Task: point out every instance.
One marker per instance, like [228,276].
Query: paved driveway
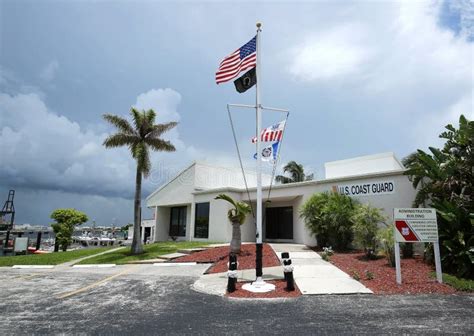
[154,300]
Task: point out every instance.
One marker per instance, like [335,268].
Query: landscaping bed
[279,292]
[416,275]
[219,256]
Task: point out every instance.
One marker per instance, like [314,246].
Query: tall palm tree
[139,138]
[296,172]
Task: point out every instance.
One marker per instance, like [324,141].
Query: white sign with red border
[415,225]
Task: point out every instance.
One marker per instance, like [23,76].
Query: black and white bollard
[288,271]
[232,273]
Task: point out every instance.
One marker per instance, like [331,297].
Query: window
[201,222]
[178,222]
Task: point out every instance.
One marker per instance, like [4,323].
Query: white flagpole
[259,158]
[259,285]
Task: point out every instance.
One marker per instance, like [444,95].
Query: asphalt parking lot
[143,299]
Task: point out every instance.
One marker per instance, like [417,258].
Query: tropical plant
[328,216]
[140,138]
[445,181]
[236,216]
[296,172]
[387,242]
[66,220]
[366,220]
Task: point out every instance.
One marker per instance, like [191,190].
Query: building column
[191,222]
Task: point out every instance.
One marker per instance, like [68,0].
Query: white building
[185,207]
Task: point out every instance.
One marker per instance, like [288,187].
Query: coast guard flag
[242,59]
[269,153]
[272,133]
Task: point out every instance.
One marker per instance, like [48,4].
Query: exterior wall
[181,192]
[298,193]
[177,192]
[212,177]
[220,229]
[369,164]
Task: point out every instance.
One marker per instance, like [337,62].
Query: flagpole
[259,285]
[258,110]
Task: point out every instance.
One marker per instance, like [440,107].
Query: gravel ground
[415,275]
[158,300]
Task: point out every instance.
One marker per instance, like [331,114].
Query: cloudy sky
[359,78]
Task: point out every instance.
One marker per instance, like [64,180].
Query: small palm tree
[296,172]
[236,216]
[139,138]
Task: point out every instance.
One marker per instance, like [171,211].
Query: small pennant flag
[269,153]
[272,133]
[242,59]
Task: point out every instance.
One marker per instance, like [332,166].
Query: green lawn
[459,284]
[49,258]
[152,251]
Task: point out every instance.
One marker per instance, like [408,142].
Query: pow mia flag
[245,82]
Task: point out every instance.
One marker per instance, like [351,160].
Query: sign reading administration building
[415,225]
[366,189]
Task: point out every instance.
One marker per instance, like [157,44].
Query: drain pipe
[232,273]
[288,271]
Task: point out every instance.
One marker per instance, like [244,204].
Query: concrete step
[192,250]
[171,256]
[148,261]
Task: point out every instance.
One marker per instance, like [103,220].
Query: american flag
[242,59]
[272,133]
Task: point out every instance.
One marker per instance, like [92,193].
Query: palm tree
[139,138]
[236,216]
[296,172]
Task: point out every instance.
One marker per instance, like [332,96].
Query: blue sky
[359,78]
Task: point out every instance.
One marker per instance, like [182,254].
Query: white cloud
[49,71]
[163,101]
[330,54]
[401,66]
[43,150]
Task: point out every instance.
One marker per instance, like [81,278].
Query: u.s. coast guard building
[185,208]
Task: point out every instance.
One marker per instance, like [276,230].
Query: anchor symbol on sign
[405,231]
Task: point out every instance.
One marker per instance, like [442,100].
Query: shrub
[366,220]
[369,275]
[444,179]
[327,252]
[355,275]
[328,217]
[387,241]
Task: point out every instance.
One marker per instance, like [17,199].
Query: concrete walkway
[313,275]
[75,261]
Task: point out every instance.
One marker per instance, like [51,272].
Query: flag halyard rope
[240,160]
[242,166]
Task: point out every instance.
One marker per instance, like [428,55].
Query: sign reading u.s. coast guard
[415,225]
[366,189]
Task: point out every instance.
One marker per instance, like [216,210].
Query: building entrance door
[279,223]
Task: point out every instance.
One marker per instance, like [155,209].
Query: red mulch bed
[219,256]
[416,277]
[279,292]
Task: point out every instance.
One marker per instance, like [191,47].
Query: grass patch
[152,251]
[49,258]
[460,284]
